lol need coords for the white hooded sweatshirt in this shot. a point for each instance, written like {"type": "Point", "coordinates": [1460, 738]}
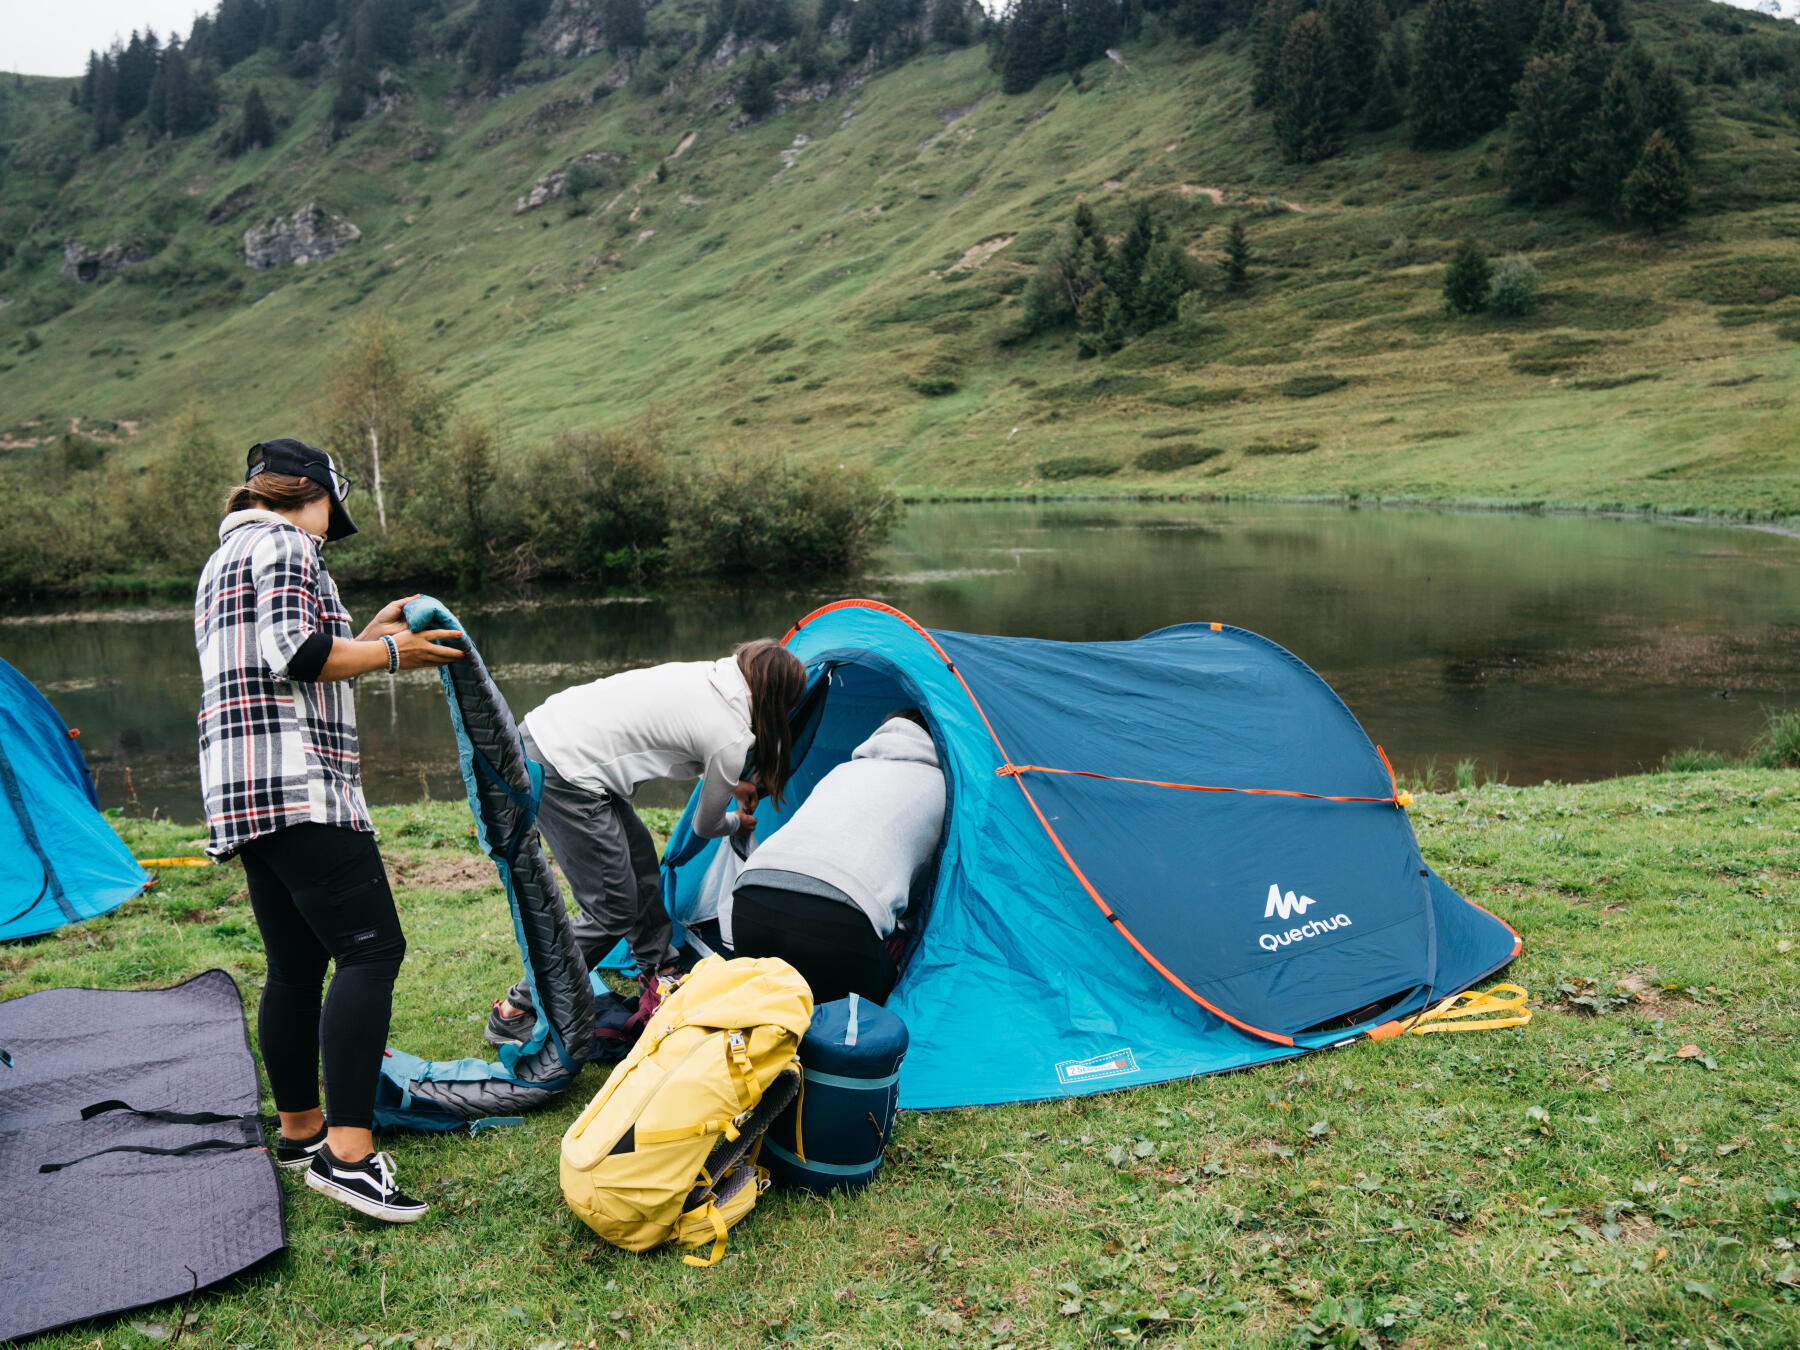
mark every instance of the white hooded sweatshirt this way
{"type": "Point", "coordinates": [866, 831]}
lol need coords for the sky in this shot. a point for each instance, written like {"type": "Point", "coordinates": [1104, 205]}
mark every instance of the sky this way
{"type": "Point", "coordinates": [53, 37]}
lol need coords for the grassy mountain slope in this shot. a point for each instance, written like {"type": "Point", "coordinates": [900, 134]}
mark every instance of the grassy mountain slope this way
{"type": "Point", "coordinates": [795, 282]}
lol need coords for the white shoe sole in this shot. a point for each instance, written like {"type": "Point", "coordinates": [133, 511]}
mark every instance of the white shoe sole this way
{"type": "Point", "coordinates": [362, 1204]}
{"type": "Point", "coordinates": [294, 1164]}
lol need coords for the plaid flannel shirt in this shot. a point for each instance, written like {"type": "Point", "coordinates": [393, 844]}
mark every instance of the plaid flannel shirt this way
{"type": "Point", "coordinates": [274, 751]}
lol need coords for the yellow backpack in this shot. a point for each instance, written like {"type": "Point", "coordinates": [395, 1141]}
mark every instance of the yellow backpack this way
{"type": "Point", "coordinates": [667, 1150]}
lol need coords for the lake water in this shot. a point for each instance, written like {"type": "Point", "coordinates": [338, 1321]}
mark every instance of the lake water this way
{"type": "Point", "coordinates": [1538, 646]}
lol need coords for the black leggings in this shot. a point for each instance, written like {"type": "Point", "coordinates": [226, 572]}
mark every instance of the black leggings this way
{"type": "Point", "coordinates": [321, 894]}
{"type": "Point", "coordinates": [830, 942]}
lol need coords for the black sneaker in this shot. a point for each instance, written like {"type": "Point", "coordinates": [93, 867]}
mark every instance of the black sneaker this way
{"type": "Point", "coordinates": [367, 1186]}
{"type": "Point", "coordinates": [292, 1153]}
{"type": "Point", "coordinates": [514, 1030]}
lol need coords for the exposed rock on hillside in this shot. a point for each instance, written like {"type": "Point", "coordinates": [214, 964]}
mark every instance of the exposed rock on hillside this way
{"type": "Point", "coordinates": [311, 234]}
{"type": "Point", "coordinates": [81, 263]}
{"type": "Point", "coordinates": [597, 166]}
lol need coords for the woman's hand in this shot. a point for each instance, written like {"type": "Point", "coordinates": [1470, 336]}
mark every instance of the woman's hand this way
{"type": "Point", "coordinates": [390, 621]}
{"type": "Point", "coordinates": [419, 650]}
{"type": "Point", "coordinates": [747, 795]}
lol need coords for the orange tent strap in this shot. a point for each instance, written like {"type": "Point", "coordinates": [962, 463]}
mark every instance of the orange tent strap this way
{"type": "Point", "coordinates": [1013, 770]}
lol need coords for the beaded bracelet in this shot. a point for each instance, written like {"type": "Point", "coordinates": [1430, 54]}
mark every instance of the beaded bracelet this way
{"type": "Point", "coordinates": [393, 653]}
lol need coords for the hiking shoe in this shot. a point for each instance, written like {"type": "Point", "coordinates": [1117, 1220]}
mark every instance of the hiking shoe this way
{"type": "Point", "coordinates": [367, 1186]}
{"type": "Point", "coordinates": [514, 1030]}
{"type": "Point", "coordinates": [613, 1035]}
{"type": "Point", "coordinates": [292, 1153]}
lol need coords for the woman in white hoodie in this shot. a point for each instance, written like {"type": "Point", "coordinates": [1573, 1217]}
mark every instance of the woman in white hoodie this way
{"type": "Point", "coordinates": [719, 721]}
{"type": "Point", "coordinates": [827, 890]}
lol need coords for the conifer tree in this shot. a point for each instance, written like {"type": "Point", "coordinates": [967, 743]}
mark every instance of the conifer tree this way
{"type": "Point", "coordinates": [1546, 131]}
{"type": "Point", "coordinates": [1455, 89]}
{"type": "Point", "coordinates": [1611, 13]}
{"type": "Point", "coordinates": [1660, 188]}
{"type": "Point", "coordinates": [950, 23]}
{"type": "Point", "coordinates": [1237, 255]}
{"type": "Point", "coordinates": [1466, 280]}
{"type": "Point", "coordinates": [1356, 31]}
{"type": "Point", "coordinates": [1090, 27]}
{"type": "Point", "coordinates": [1398, 50]}
{"type": "Point", "coordinates": [256, 128]}
{"type": "Point", "coordinates": [1309, 107]}
{"type": "Point", "coordinates": [1031, 43]}
{"type": "Point", "coordinates": [1386, 106]}
{"type": "Point", "coordinates": [756, 89]}
{"type": "Point", "coordinates": [623, 21]}
{"type": "Point", "coordinates": [1165, 280]}
{"type": "Point", "coordinates": [1125, 265]}
{"type": "Point", "coordinates": [1098, 322]}
{"type": "Point", "coordinates": [1614, 141]}
{"type": "Point", "coordinates": [1666, 109]}
{"type": "Point", "coordinates": [1267, 40]}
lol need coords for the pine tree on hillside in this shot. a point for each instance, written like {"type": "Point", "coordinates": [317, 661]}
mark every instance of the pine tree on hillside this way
{"type": "Point", "coordinates": [623, 21]}
{"type": "Point", "coordinates": [498, 41]}
{"type": "Point", "coordinates": [1660, 188]}
{"type": "Point", "coordinates": [1267, 38]}
{"type": "Point", "coordinates": [1309, 104]}
{"type": "Point", "coordinates": [756, 89]}
{"type": "Point", "coordinates": [1584, 44]}
{"type": "Point", "coordinates": [1466, 280]}
{"type": "Point", "coordinates": [1167, 277]}
{"type": "Point", "coordinates": [1386, 105]}
{"type": "Point", "coordinates": [256, 127]}
{"type": "Point", "coordinates": [1612, 14]}
{"type": "Point", "coordinates": [1204, 21]}
{"type": "Point", "coordinates": [1546, 128]}
{"type": "Point", "coordinates": [1614, 142]}
{"type": "Point", "coordinates": [1090, 27]}
{"type": "Point", "coordinates": [1398, 50]}
{"type": "Point", "coordinates": [1455, 94]}
{"type": "Point", "coordinates": [1667, 109]}
{"type": "Point", "coordinates": [1031, 43]}
{"type": "Point", "coordinates": [1125, 265]}
{"type": "Point", "coordinates": [1356, 31]}
{"type": "Point", "coordinates": [950, 23]}
{"type": "Point", "coordinates": [1237, 256]}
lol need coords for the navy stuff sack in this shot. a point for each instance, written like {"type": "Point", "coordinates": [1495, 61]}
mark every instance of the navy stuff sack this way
{"type": "Point", "coordinates": [832, 1137]}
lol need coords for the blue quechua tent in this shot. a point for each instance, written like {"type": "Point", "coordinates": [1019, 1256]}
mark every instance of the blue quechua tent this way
{"type": "Point", "coordinates": [1165, 857]}
{"type": "Point", "coordinates": [60, 862]}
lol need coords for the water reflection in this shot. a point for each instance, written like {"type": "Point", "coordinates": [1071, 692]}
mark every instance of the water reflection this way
{"type": "Point", "coordinates": [1538, 646]}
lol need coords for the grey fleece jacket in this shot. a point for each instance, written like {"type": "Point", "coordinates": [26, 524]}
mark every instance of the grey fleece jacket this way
{"type": "Point", "coordinates": [868, 827]}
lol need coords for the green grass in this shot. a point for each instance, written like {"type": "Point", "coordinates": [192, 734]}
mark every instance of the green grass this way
{"type": "Point", "coordinates": [683, 298]}
{"type": "Point", "coordinates": [1586, 1181]}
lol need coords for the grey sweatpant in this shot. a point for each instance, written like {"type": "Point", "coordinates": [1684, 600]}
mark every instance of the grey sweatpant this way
{"type": "Point", "coordinates": [610, 861]}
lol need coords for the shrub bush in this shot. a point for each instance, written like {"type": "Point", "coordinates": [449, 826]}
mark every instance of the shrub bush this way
{"type": "Point", "coordinates": [1311, 386]}
{"type": "Point", "coordinates": [1199, 396]}
{"type": "Point", "coordinates": [934, 386]}
{"type": "Point", "coordinates": [1292, 446]}
{"type": "Point", "coordinates": [1180, 455]}
{"type": "Point", "coordinates": [1077, 466]}
{"type": "Point", "coordinates": [760, 512]}
{"type": "Point", "coordinates": [1513, 287]}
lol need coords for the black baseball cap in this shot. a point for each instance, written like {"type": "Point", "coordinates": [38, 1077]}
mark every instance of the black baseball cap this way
{"type": "Point", "coordinates": [301, 460]}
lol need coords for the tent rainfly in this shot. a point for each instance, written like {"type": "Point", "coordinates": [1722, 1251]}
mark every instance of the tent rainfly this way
{"type": "Point", "coordinates": [1164, 857]}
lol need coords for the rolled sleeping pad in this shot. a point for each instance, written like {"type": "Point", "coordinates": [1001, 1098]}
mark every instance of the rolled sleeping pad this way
{"type": "Point", "coordinates": [834, 1135]}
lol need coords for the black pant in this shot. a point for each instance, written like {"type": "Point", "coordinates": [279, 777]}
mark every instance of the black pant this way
{"type": "Point", "coordinates": [830, 942]}
{"type": "Point", "coordinates": [321, 894]}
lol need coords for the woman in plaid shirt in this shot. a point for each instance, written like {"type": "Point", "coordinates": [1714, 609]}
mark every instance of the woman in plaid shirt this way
{"type": "Point", "coordinates": [279, 772]}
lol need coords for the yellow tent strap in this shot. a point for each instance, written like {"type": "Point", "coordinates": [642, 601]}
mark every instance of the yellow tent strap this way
{"type": "Point", "coordinates": [175, 862]}
{"type": "Point", "coordinates": [1470, 1010]}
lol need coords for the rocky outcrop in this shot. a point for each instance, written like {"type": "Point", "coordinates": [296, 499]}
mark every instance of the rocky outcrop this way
{"type": "Point", "coordinates": [311, 234]}
{"type": "Point", "coordinates": [81, 263]}
{"type": "Point", "coordinates": [596, 167]}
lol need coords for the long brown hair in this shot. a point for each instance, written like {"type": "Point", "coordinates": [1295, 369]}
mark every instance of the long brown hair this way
{"type": "Point", "coordinates": [274, 492]}
{"type": "Point", "coordinates": [777, 680]}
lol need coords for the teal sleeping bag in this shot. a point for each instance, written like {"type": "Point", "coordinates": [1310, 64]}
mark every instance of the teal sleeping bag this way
{"type": "Point", "coordinates": [834, 1135]}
